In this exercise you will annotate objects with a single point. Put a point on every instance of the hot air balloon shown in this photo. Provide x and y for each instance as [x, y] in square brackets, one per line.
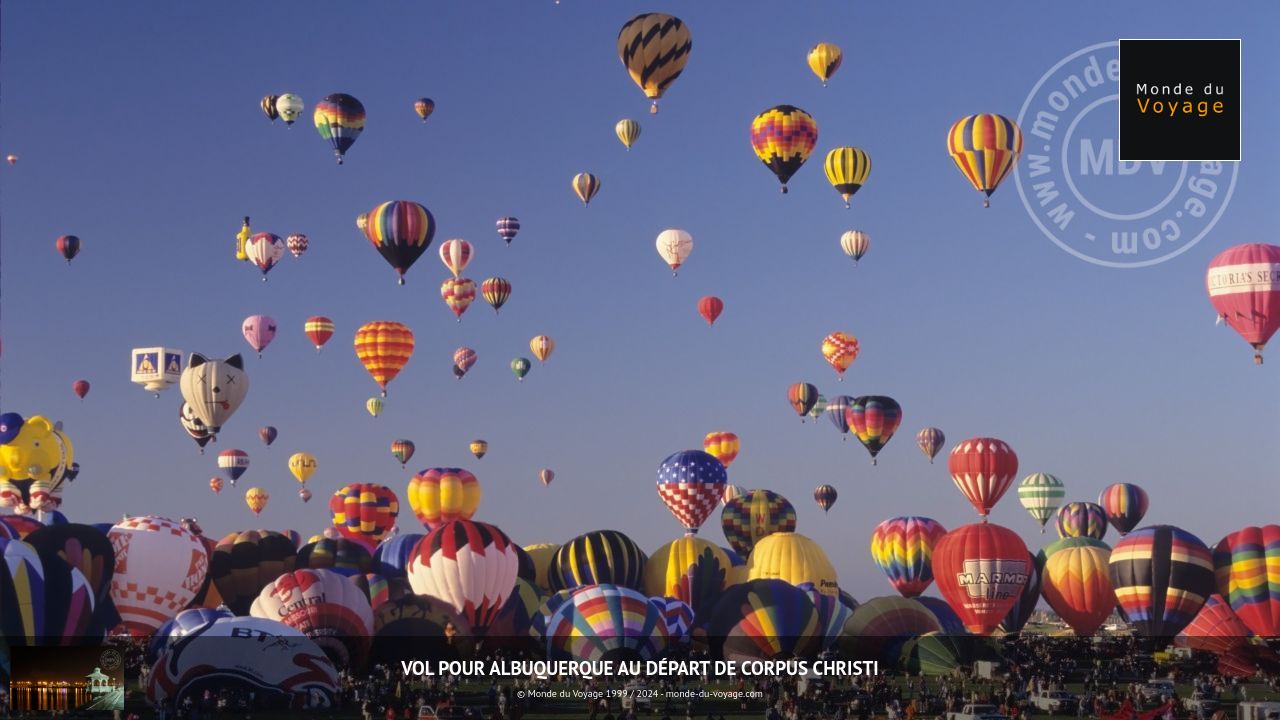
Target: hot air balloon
[339, 119]
[722, 445]
[243, 563]
[47, 600]
[362, 221]
[289, 106]
[840, 350]
[333, 552]
[268, 106]
[585, 185]
[881, 627]
[1022, 610]
[1216, 629]
[402, 450]
[507, 228]
[463, 359]
[304, 494]
[478, 448]
[754, 515]
[783, 138]
[874, 418]
[374, 406]
[825, 496]
[542, 346]
[256, 499]
[690, 483]
[326, 607]
[233, 463]
[424, 107]
[824, 60]
[264, 250]
[985, 148]
[710, 307]
[456, 255]
[384, 348]
[1041, 494]
[628, 131]
[981, 570]
[847, 170]
[472, 566]
[1162, 575]
[214, 389]
[495, 291]
[690, 569]
[364, 513]
[607, 621]
[545, 476]
[802, 396]
[258, 331]
[1125, 505]
[194, 427]
[1247, 569]
[159, 566]
[297, 244]
[598, 557]
[400, 230]
[12, 159]
[319, 329]
[654, 48]
[674, 246]
[183, 624]
[267, 434]
[983, 469]
[440, 495]
[1076, 582]
[1082, 519]
[80, 388]
[458, 294]
[855, 244]
[520, 366]
[215, 484]
[903, 547]
[837, 412]
[302, 466]
[930, 440]
[763, 620]
[1244, 286]
[68, 247]
[82, 548]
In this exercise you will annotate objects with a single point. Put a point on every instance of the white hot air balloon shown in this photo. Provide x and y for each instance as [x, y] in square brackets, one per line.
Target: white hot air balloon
[674, 246]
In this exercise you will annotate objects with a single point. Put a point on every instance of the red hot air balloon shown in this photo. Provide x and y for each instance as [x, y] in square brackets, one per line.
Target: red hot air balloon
[981, 570]
[710, 308]
[1244, 287]
[80, 388]
[983, 468]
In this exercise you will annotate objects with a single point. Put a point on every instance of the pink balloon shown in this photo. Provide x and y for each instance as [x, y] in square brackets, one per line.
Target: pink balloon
[259, 331]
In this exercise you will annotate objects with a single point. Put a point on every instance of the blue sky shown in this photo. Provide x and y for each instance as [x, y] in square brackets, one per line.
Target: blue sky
[138, 129]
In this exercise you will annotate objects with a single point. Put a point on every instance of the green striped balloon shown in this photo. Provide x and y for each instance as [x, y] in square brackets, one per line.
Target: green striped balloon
[1041, 494]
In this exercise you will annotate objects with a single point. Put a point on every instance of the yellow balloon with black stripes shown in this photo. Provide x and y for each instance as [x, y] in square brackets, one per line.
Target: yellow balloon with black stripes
[824, 60]
[599, 557]
[654, 47]
[847, 169]
[985, 148]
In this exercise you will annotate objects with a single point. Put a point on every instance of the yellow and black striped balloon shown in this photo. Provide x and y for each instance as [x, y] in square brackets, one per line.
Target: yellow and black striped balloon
[602, 556]
[847, 169]
[985, 147]
[654, 47]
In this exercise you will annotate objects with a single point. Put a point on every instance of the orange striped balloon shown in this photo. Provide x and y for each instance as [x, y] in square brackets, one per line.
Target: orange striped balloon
[985, 147]
[722, 445]
[383, 348]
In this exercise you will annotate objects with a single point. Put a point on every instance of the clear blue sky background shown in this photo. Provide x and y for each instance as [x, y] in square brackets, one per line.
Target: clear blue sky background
[138, 129]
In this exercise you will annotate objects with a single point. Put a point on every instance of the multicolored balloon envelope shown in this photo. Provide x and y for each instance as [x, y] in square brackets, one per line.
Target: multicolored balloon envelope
[1076, 582]
[1021, 611]
[1215, 629]
[245, 562]
[783, 137]
[364, 512]
[606, 622]
[401, 231]
[1082, 519]
[1247, 567]
[903, 548]
[384, 348]
[751, 517]
[470, 565]
[690, 483]
[441, 495]
[762, 620]
[985, 148]
[874, 418]
[339, 118]
[1162, 576]
[1125, 505]
[981, 570]
[879, 627]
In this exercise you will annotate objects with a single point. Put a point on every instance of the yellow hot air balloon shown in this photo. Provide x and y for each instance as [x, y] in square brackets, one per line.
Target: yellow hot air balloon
[654, 47]
[542, 347]
[586, 186]
[302, 465]
[985, 147]
[628, 131]
[479, 448]
[374, 406]
[794, 558]
[440, 495]
[241, 238]
[690, 568]
[542, 554]
[256, 499]
[384, 348]
[847, 169]
[840, 349]
[824, 60]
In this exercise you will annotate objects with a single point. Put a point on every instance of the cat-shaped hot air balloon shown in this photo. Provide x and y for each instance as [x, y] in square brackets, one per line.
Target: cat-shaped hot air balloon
[214, 388]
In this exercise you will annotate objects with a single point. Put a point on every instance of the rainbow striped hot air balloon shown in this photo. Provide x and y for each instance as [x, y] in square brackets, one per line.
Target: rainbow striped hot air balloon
[339, 118]
[875, 418]
[1082, 519]
[902, 547]
[1125, 505]
[1041, 494]
[1247, 567]
[384, 348]
[985, 148]
[401, 231]
[1162, 576]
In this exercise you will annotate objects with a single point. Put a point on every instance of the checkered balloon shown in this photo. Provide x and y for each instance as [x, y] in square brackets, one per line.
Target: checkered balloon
[690, 483]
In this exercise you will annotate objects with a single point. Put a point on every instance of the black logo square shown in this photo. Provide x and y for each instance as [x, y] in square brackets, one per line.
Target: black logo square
[1180, 100]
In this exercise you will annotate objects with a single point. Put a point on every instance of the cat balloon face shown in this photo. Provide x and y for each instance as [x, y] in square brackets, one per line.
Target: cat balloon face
[214, 388]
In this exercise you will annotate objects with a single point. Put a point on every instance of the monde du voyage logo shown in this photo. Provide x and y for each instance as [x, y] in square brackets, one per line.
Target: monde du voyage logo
[1130, 148]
